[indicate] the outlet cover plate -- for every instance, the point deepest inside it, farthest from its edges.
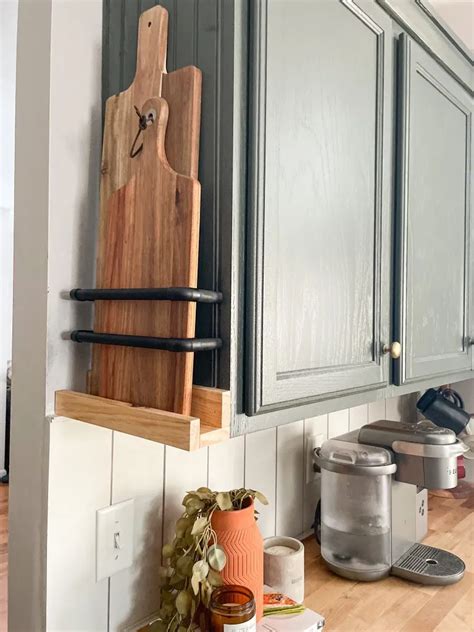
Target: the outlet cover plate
(312, 441)
(114, 538)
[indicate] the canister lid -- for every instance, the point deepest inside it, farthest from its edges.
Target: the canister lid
(355, 454)
(385, 432)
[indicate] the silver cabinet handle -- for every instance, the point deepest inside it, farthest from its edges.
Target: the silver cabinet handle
(394, 349)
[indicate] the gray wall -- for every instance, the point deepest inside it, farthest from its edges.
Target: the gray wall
(8, 28)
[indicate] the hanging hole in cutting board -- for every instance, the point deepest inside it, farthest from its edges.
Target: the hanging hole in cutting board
(144, 120)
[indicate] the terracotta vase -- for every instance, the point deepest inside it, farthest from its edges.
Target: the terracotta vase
(238, 533)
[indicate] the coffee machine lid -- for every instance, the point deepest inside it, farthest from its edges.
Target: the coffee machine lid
(355, 454)
(384, 433)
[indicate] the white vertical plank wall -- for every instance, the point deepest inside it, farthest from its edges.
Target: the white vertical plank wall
(358, 416)
(338, 423)
(393, 409)
(260, 473)
(377, 410)
(183, 471)
(227, 464)
(97, 467)
(137, 472)
(79, 484)
(466, 390)
(289, 483)
(312, 488)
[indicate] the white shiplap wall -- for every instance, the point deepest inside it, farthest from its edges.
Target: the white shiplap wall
(92, 467)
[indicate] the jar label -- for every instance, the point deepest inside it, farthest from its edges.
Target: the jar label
(249, 626)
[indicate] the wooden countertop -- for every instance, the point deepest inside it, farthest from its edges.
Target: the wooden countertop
(392, 604)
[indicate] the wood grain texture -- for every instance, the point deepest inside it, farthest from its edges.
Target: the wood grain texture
(211, 405)
(393, 604)
(182, 91)
(180, 431)
(186, 432)
(152, 241)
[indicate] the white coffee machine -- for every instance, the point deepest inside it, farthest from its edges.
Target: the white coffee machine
(373, 508)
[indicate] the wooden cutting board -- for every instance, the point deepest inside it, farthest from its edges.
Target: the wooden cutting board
(182, 91)
(152, 241)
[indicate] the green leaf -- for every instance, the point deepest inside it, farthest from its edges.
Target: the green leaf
(185, 566)
(195, 583)
(183, 603)
(189, 539)
(199, 525)
(201, 569)
(189, 496)
(261, 498)
(176, 579)
(224, 501)
(194, 505)
(157, 626)
(206, 592)
(214, 578)
(168, 550)
(216, 557)
(163, 582)
(167, 610)
(167, 597)
(204, 490)
(181, 525)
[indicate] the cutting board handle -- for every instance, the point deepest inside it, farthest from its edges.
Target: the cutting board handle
(155, 109)
(154, 136)
(151, 50)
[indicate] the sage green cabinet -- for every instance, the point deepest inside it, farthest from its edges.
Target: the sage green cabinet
(434, 262)
(319, 200)
(335, 164)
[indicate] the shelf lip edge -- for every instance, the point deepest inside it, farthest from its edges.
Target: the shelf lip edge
(181, 431)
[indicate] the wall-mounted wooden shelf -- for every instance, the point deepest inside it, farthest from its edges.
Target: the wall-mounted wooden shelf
(209, 422)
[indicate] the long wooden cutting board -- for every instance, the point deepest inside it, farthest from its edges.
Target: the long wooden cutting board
(152, 241)
(182, 91)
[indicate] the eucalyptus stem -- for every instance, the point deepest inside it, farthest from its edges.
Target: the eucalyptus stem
(194, 560)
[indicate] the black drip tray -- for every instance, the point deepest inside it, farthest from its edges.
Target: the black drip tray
(427, 565)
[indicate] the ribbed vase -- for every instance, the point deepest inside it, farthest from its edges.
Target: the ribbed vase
(238, 533)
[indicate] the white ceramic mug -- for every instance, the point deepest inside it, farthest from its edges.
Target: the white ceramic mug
(284, 566)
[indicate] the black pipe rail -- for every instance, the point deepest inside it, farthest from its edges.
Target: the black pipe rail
(148, 294)
(148, 342)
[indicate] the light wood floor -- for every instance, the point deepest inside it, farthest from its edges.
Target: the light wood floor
(395, 605)
(3, 556)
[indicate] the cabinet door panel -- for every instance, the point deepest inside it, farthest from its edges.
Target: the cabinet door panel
(434, 218)
(319, 200)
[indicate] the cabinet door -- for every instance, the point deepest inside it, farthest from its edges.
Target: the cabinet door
(433, 218)
(319, 201)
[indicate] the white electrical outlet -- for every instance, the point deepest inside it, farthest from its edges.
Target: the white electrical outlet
(114, 538)
(312, 442)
